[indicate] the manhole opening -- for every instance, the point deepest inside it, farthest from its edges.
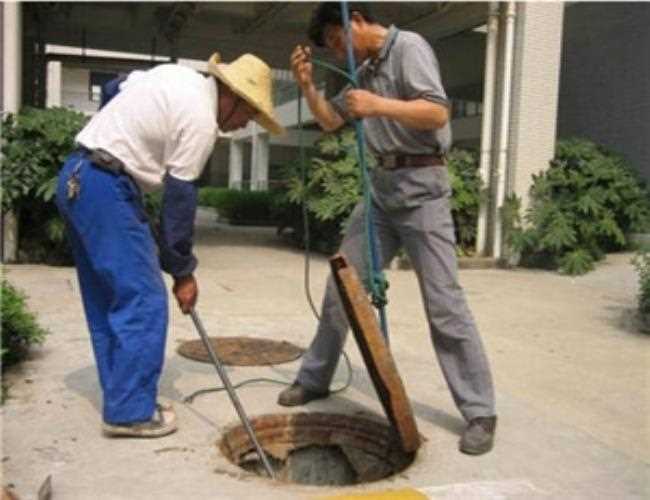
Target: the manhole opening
(321, 449)
(242, 351)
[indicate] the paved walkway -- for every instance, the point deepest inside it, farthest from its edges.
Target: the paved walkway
(571, 373)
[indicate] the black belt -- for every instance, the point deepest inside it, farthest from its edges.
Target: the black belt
(410, 161)
(104, 160)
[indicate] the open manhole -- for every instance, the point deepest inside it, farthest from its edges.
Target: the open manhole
(319, 448)
(242, 351)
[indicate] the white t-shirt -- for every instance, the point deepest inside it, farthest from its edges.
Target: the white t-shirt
(163, 120)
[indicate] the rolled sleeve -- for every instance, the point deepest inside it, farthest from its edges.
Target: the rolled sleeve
(339, 104)
(420, 72)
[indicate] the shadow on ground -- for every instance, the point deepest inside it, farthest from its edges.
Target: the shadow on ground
(85, 383)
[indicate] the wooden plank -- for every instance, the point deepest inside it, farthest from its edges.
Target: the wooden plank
(375, 352)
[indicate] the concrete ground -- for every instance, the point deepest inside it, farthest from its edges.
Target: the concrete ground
(570, 367)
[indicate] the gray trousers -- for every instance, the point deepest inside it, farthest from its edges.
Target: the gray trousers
(427, 235)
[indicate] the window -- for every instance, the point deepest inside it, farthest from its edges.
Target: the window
(462, 108)
(95, 93)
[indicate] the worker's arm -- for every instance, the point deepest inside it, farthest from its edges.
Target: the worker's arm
(422, 102)
(418, 113)
(189, 148)
(325, 114)
(176, 233)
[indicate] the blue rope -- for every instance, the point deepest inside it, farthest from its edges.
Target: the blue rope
(377, 282)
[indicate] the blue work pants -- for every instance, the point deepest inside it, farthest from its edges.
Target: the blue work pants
(124, 296)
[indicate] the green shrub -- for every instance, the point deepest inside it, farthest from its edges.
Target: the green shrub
(324, 235)
(35, 143)
(333, 188)
(153, 205)
(213, 196)
(19, 327)
(642, 264)
(581, 207)
(333, 180)
(241, 207)
(466, 187)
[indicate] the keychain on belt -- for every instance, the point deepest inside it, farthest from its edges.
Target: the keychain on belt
(73, 184)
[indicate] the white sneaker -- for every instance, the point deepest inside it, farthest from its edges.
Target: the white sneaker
(162, 423)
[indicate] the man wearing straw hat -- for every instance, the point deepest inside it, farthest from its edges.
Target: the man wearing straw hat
(157, 132)
(405, 112)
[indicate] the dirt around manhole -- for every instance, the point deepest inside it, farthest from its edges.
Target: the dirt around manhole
(242, 351)
(319, 448)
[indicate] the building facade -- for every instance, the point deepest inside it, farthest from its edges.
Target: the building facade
(605, 78)
(519, 74)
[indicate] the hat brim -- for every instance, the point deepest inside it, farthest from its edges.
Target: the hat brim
(264, 119)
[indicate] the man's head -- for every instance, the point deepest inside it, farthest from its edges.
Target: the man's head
(246, 93)
(326, 28)
(234, 112)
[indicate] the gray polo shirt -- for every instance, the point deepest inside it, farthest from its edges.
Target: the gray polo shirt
(405, 69)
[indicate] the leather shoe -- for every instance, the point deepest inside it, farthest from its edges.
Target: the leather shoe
(296, 395)
(478, 437)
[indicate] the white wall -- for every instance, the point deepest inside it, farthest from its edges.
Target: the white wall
(535, 93)
(75, 93)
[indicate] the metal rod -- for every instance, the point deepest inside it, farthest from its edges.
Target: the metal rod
(231, 392)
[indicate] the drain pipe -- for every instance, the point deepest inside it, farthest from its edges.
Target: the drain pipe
(502, 164)
(487, 123)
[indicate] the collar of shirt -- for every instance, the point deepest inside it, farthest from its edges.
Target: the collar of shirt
(373, 64)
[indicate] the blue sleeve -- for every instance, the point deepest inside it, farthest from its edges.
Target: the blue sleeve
(110, 89)
(177, 227)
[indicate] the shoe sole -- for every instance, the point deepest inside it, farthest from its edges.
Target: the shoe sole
(125, 432)
(169, 427)
(286, 403)
(475, 451)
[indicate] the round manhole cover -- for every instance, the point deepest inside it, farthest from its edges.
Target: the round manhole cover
(242, 351)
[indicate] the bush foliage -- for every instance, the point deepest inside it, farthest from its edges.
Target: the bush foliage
(642, 263)
(19, 326)
(241, 207)
(583, 206)
(35, 143)
(332, 187)
(467, 191)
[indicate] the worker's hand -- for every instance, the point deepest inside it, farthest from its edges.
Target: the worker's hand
(301, 66)
(186, 292)
(361, 103)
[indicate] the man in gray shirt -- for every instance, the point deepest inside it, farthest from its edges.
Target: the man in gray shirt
(406, 122)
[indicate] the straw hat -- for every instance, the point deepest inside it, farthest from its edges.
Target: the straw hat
(250, 78)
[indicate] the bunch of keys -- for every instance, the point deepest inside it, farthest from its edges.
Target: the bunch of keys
(73, 184)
